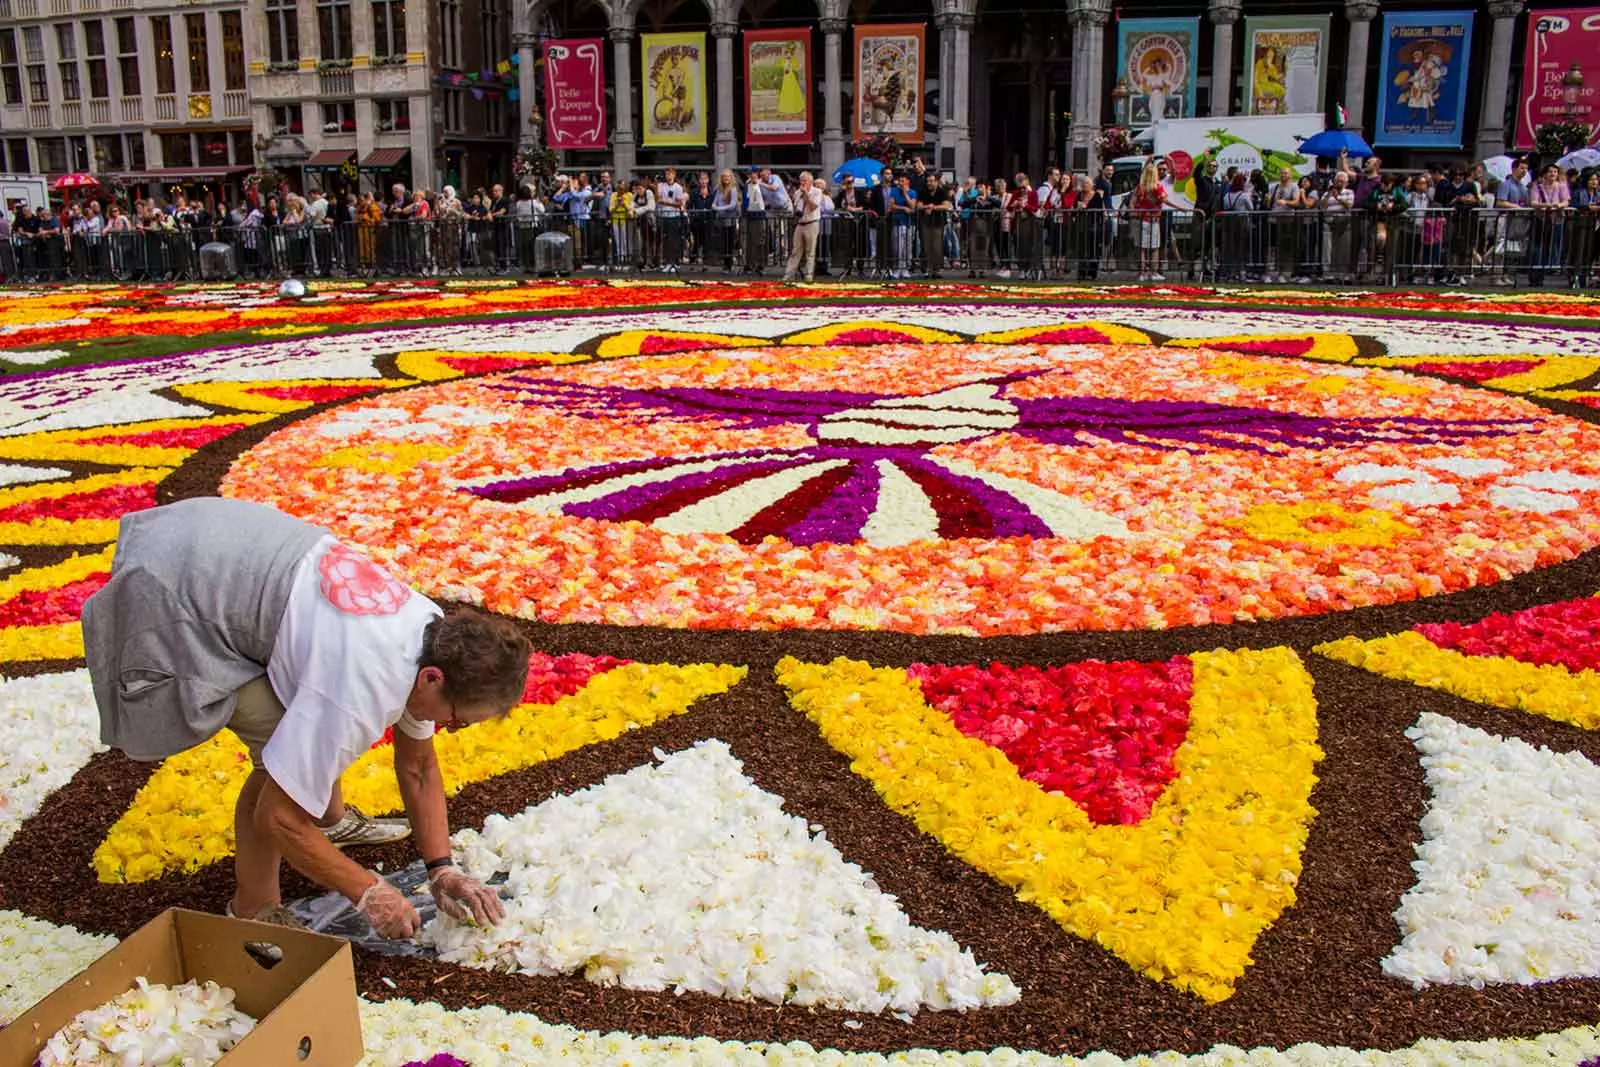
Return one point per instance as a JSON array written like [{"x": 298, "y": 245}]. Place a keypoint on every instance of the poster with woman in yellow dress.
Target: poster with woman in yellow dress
[{"x": 777, "y": 70}]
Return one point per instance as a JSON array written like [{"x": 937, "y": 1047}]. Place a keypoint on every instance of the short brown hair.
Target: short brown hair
[{"x": 484, "y": 659}]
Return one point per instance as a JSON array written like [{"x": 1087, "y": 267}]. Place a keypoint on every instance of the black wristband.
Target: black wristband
[{"x": 434, "y": 865}]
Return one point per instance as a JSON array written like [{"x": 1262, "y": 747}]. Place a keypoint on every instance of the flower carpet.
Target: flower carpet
[{"x": 982, "y": 674}]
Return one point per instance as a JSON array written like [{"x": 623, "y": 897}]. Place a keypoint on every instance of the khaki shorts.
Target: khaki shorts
[{"x": 256, "y": 713}]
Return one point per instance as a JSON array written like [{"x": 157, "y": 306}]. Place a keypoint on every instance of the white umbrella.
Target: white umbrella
[
  {"x": 1582, "y": 159},
  {"x": 1498, "y": 167}
]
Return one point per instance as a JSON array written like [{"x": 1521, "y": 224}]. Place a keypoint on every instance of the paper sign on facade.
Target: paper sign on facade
[
  {"x": 674, "y": 66},
  {"x": 1286, "y": 62},
  {"x": 1155, "y": 59},
  {"x": 1559, "y": 39},
  {"x": 1422, "y": 79},
  {"x": 890, "y": 68},
  {"x": 575, "y": 93},
  {"x": 778, "y": 80}
]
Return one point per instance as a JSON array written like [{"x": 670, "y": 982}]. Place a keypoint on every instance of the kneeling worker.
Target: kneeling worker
[{"x": 224, "y": 613}]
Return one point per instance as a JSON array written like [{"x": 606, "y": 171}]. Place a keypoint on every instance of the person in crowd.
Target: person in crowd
[
  {"x": 222, "y": 613},
  {"x": 1337, "y": 206},
  {"x": 317, "y": 209},
  {"x": 1148, "y": 202},
  {"x": 1386, "y": 204},
  {"x": 1089, "y": 228},
  {"x": 670, "y": 204},
  {"x": 933, "y": 212},
  {"x": 1585, "y": 230},
  {"x": 700, "y": 196},
  {"x": 844, "y": 233},
  {"x": 620, "y": 213},
  {"x": 1283, "y": 201},
  {"x": 1549, "y": 200},
  {"x": 1513, "y": 225},
  {"x": 1366, "y": 243},
  {"x": 452, "y": 217},
  {"x": 369, "y": 216},
  {"x": 755, "y": 223},
  {"x": 1235, "y": 218},
  {"x": 1208, "y": 191},
  {"x": 723, "y": 233},
  {"x": 1426, "y": 228},
  {"x": 902, "y": 205},
  {"x": 807, "y": 210}
]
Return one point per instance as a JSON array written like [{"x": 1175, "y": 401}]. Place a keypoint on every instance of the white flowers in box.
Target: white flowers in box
[
  {"x": 190, "y": 1025},
  {"x": 687, "y": 876}
]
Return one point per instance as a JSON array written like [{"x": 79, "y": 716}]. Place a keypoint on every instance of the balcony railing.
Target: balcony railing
[
  {"x": 39, "y": 116},
  {"x": 27, "y": 9},
  {"x": 60, "y": 7},
  {"x": 100, "y": 112},
  {"x": 167, "y": 108},
  {"x": 132, "y": 109},
  {"x": 72, "y": 113},
  {"x": 5, "y": 9},
  {"x": 235, "y": 104},
  {"x": 337, "y": 83}
]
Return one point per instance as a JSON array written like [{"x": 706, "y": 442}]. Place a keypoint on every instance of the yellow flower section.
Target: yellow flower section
[
  {"x": 1318, "y": 523},
  {"x": 631, "y": 342},
  {"x": 182, "y": 819},
  {"x": 1328, "y": 347},
  {"x": 247, "y": 396},
  {"x": 52, "y": 531},
  {"x": 1548, "y": 690},
  {"x": 430, "y": 364},
  {"x": 74, "y": 569},
  {"x": 57, "y": 445},
  {"x": 822, "y": 335},
  {"x": 62, "y": 640},
  {"x": 1551, "y": 373},
  {"x": 1112, "y": 332},
  {"x": 1182, "y": 896}
]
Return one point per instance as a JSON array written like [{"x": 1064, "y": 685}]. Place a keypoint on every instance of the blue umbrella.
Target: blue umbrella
[
  {"x": 1332, "y": 142},
  {"x": 864, "y": 170}
]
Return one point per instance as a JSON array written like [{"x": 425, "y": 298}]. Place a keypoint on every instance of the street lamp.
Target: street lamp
[
  {"x": 1571, "y": 90},
  {"x": 1119, "y": 102}
]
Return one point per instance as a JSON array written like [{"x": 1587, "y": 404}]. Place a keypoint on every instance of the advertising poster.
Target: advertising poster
[
  {"x": 890, "y": 69},
  {"x": 1558, "y": 38},
  {"x": 674, "y": 66},
  {"x": 1286, "y": 63},
  {"x": 1422, "y": 79},
  {"x": 778, "y": 80},
  {"x": 1155, "y": 57},
  {"x": 575, "y": 93}
]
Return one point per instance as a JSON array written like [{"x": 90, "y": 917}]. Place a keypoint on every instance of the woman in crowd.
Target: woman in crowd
[
  {"x": 1425, "y": 229},
  {"x": 1549, "y": 199},
  {"x": 1387, "y": 204},
  {"x": 1149, "y": 199},
  {"x": 1282, "y": 202},
  {"x": 646, "y": 242},
  {"x": 1585, "y": 229},
  {"x": 368, "y": 216},
  {"x": 1089, "y": 227},
  {"x": 724, "y": 232},
  {"x": 452, "y": 217},
  {"x": 1237, "y": 208},
  {"x": 620, "y": 214},
  {"x": 1021, "y": 203}
]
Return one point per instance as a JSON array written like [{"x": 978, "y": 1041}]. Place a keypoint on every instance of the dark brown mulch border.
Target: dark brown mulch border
[{"x": 1315, "y": 978}]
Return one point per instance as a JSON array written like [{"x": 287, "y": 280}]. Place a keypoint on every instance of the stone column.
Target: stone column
[
  {"x": 526, "y": 43},
  {"x": 945, "y": 148},
  {"x": 833, "y": 132},
  {"x": 1089, "y": 18},
  {"x": 624, "y": 146},
  {"x": 1360, "y": 14},
  {"x": 961, "y": 92},
  {"x": 726, "y": 146},
  {"x": 1224, "y": 13},
  {"x": 1492, "y": 119}
]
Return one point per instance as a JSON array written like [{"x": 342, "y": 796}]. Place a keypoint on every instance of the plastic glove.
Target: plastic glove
[
  {"x": 387, "y": 909},
  {"x": 464, "y": 898}
]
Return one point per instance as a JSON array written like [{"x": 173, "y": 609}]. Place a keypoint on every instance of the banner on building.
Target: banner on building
[
  {"x": 1156, "y": 61},
  {"x": 674, "y": 89},
  {"x": 1559, "y": 40},
  {"x": 1286, "y": 64},
  {"x": 891, "y": 63},
  {"x": 575, "y": 93},
  {"x": 778, "y": 80},
  {"x": 1422, "y": 78}
]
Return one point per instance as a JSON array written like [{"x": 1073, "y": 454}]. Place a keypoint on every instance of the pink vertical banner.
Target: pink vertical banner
[
  {"x": 1560, "y": 41},
  {"x": 575, "y": 93}
]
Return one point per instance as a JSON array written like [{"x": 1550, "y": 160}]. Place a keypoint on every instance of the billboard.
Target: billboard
[
  {"x": 575, "y": 93},
  {"x": 1558, "y": 38},
  {"x": 674, "y": 66},
  {"x": 891, "y": 63},
  {"x": 778, "y": 79},
  {"x": 1286, "y": 64},
  {"x": 1156, "y": 60},
  {"x": 1422, "y": 80}
]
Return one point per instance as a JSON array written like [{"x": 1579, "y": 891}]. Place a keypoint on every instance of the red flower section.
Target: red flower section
[
  {"x": 1103, "y": 734},
  {"x": 47, "y": 607},
  {"x": 473, "y": 365},
  {"x": 1479, "y": 372},
  {"x": 112, "y": 502},
  {"x": 314, "y": 394},
  {"x": 182, "y": 437},
  {"x": 1075, "y": 335},
  {"x": 1565, "y": 634},
  {"x": 874, "y": 337},
  {"x": 656, "y": 345},
  {"x": 1286, "y": 346}
]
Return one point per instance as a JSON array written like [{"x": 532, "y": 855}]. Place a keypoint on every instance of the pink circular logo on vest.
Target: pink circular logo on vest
[{"x": 357, "y": 586}]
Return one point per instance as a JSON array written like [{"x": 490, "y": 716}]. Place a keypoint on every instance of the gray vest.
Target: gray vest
[{"x": 191, "y": 613}]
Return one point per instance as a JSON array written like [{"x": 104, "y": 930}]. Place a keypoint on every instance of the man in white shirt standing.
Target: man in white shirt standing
[
  {"x": 807, "y": 207},
  {"x": 670, "y": 202},
  {"x": 225, "y": 613},
  {"x": 317, "y": 220}
]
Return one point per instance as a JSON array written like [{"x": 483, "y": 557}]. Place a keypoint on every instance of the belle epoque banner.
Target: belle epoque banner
[
  {"x": 1286, "y": 64},
  {"x": 1557, "y": 39},
  {"x": 1422, "y": 78},
  {"x": 1155, "y": 58},
  {"x": 674, "y": 66},
  {"x": 778, "y": 80},
  {"x": 891, "y": 64},
  {"x": 575, "y": 93}
]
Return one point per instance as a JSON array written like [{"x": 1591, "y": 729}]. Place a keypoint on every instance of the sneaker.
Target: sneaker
[
  {"x": 1002, "y": 274},
  {"x": 1158, "y": 277},
  {"x": 359, "y": 829}
]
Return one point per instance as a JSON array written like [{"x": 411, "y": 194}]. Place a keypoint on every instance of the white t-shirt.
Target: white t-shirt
[
  {"x": 343, "y": 665},
  {"x": 669, "y": 198}
]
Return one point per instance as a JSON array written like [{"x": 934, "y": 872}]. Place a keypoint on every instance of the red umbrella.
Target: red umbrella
[{"x": 80, "y": 180}]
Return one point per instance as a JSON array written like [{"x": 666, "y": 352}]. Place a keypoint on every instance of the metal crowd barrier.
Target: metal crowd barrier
[{"x": 1401, "y": 247}]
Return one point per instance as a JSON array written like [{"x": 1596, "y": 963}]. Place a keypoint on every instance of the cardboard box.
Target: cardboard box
[{"x": 304, "y": 1004}]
